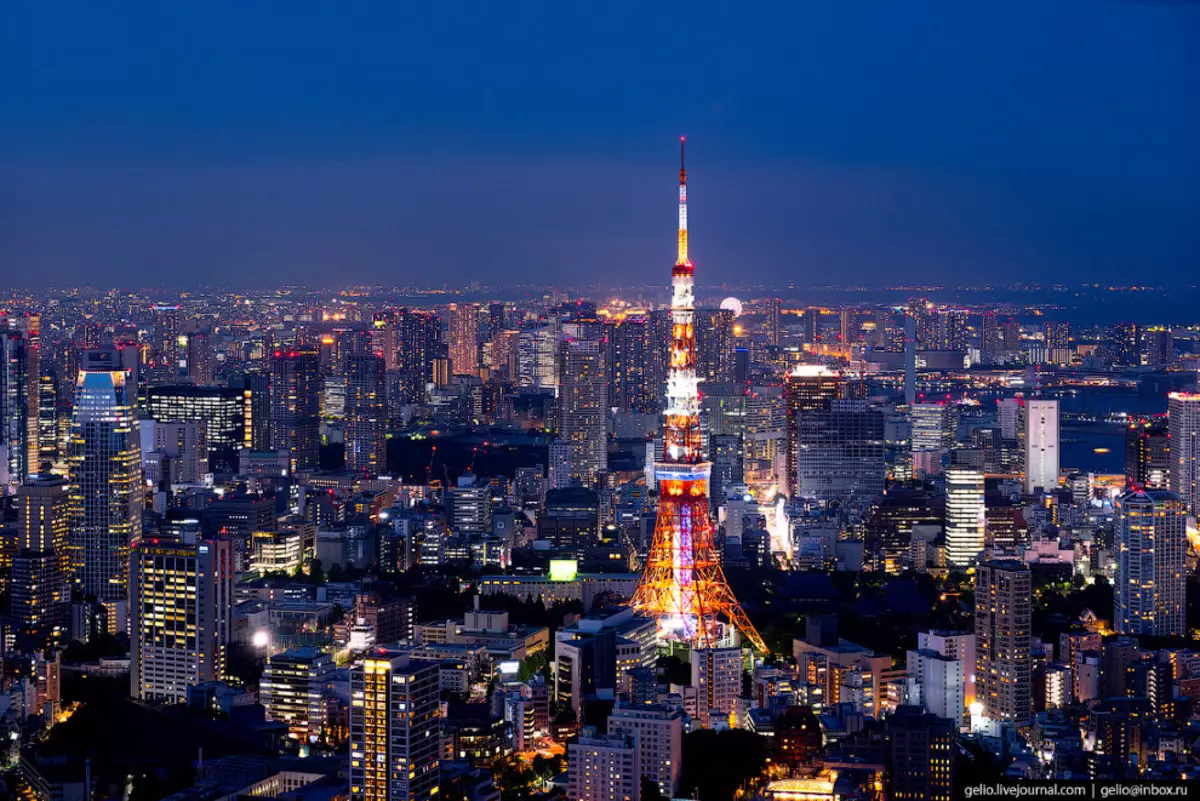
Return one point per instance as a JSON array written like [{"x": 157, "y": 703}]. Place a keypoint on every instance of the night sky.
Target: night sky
[{"x": 253, "y": 143}]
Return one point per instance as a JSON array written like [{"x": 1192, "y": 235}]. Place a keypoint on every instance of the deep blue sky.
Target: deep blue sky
[{"x": 877, "y": 142}]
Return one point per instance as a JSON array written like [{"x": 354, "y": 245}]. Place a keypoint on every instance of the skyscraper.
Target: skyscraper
[
  {"x": 419, "y": 344},
  {"x": 1003, "y": 656},
  {"x": 773, "y": 325},
  {"x": 1151, "y": 541},
  {"x": 39, "y": 581},
  {"x": 1148, "y": 454},
  {"x": 14, "y": 407},
  {"x": 626, "y": 339},
  {"x": 105, "y": 466},
  {"x": 1183, "y": 414},
  {"x": 966, "y": 520},
  {"x": 934, "y": 429},
  {"x": 296, "y": 405},
  {"x": 366, "y": 415},
  {"x": 807, "y": 388},
  {"x": 166, "y": 340},
  {"x": 462, "y": 333},
  {"x": 1041, "y": 445},
  {"x": 583, "y": 395},
  {"x": 840, "y": 453},
  {"x": 180, "y": 615},
  {"x": 394, "y": 733},
  {"x": 714, "y": 345}
]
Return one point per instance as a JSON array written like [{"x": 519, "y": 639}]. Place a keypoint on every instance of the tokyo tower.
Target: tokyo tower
[{"x": 682, "y": 584}]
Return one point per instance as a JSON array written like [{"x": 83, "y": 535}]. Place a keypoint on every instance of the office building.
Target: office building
[
  {"x": 537, "y": 357},
  {"x": 462, "y": 338},
  {"x": 395, "y": 738},
  {"x": 570, "y": 520},
  {"x": 966, "y": 515},
  {"x": 227, "y": 415},
  {"x": 366, "y": 414},
  {"x": 296, "y": 405},
  {"x": 105, "y": 466},
  {"x": 292, "y": 690},
  {"x": 1003, "y": 656},
  {"x": 658, "y": 731},
  {"x": 180, "y": 616},
  {"x": 469, "y": 506},
  {"x": 582, "y": 398},
  {"x": 840, "y": 453},
  {"x": 934, "y": 428},
  {"x": 808, "y": 388},
  {"x": 1041, "y": 445},
  {"x": 603, "y": 767},
  {"x": 717, "y": 677},
  {"x": 1183, "y": 416},
  {"x": 1151, "y": 582}
]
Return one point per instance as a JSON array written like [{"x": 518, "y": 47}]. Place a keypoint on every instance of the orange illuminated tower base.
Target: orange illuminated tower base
[{"x": 682, "y": 584}]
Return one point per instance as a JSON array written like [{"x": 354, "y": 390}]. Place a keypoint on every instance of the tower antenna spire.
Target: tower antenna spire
[{"x": 682, "y": 260}]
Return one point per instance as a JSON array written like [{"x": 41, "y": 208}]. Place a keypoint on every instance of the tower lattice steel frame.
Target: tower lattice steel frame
[{"x": 682, "y": 584}]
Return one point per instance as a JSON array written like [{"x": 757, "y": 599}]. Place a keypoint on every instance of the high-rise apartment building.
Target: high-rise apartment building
[
  {"x": 462, "y": 337},
  {"x": 296, "y": 405},
  {"x": 714, "y": 344},
  {"x": 583, "y": 396},
  {"x": 180, "y": 614},
  {"x": 1148, "y": 454},
  {"x": 39, "y": 569},
  {"x": 1003, "y": 655},
  {"x": 658, "y": 732},
  {"x": 958, "y": 645},
  {"x": 717, "y": 677},
  {"x": 966, "y": 515},
  {"x": 105, "y": 466},
  {"x": 1183, "y": 415},
  {"x": 1041, "y": 445},
  {"x": 603, "y": 767},
  {"x": 395, "y": 739},
  {"x": 292, "y": 690},
  {"x": 14, "y": 408},
  {"x": 1151, "y": 542},
  {"x": 366, "y": 414},
  {"x": 773, "y": 322},
  {"x": 625, "y": 360}
]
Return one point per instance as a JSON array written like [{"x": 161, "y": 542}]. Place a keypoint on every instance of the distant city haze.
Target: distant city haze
[{"x": 504, "y": 144}]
